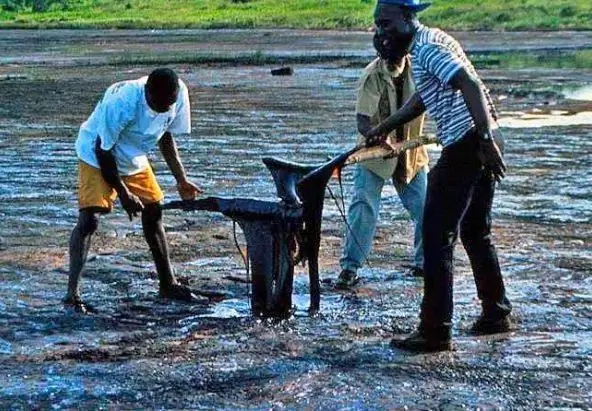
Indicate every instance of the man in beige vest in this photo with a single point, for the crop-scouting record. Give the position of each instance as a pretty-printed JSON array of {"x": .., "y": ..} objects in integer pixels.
[{"x": 384, "y": 87}]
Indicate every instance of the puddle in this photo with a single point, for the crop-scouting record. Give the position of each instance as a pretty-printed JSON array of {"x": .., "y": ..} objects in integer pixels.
[
  {"x": 231, "y": 308},
  {"x": 553, "y": 119},
  {"x": 580, "y": 93}
]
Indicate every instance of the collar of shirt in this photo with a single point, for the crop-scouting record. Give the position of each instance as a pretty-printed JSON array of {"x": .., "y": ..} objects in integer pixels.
[
  {"x": 391, "y": 75},
  {"x": 419, "y": 28},
  {"x": 149, "y": 109}
]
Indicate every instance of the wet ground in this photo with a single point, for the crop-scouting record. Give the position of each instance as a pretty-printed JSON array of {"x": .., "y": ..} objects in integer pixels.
[{"x": 143, "y": 352}]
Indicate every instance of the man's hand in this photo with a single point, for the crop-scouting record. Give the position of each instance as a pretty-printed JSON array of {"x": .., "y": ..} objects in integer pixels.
[
  {"x": 188, "y": 190},
  {"x": 131, "y": 204},
  {"x": 395, "y": 147},
  {"x": 491, "y": 157}
]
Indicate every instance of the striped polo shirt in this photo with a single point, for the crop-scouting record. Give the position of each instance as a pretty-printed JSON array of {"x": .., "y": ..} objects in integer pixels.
[{"x": 435, "y": 59}]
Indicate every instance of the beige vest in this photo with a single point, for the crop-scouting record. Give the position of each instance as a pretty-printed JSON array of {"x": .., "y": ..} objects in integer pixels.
[{"x": 376, "y": 85}]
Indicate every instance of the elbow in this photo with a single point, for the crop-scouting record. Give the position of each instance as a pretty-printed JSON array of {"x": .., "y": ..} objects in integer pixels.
[
  {"x": 362, "y": 129},
  {"x": 364, "y": 124}
]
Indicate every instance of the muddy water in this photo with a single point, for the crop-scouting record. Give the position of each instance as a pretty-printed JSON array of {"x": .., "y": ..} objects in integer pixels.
[{"x": 140, "y": 351}]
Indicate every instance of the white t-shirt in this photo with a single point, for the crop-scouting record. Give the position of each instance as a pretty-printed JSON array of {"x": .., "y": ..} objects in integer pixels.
[{"x": 125, "y": 123}]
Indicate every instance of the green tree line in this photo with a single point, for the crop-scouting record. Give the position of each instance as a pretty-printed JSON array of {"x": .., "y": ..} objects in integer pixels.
[{"x": 36, "y": 6}]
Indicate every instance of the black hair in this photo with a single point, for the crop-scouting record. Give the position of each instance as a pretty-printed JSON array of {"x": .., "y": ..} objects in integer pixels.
[{"x": 163, "y": 81}]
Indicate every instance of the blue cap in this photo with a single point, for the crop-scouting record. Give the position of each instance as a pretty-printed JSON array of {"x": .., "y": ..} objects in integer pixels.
[{"x": 413, "y": 5}]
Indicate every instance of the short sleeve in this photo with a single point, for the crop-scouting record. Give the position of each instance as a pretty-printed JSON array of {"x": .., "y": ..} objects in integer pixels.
[
  {"x": 181, "y": 124},
  {"x": 440, "y": 61},
  {"x": 368, "y": 96},
  {"x": 117, "y": 110}
]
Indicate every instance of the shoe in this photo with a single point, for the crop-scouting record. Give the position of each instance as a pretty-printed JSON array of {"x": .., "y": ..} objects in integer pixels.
[
  {"x": 415, "y": 272},
  {"x": 487, "y": 325},
  {"x": 78, "y": 305},
  {"x": 180, "y": 293},
  {"x": 420, "y": 341},
  {"x": 347, "y": 279}
]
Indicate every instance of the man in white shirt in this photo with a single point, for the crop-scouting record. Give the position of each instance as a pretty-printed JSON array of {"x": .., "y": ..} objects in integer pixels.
[{"x": 130, "y": 120}]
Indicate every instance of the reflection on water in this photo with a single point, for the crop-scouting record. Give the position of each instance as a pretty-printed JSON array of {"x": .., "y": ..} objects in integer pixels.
[
  {"x": 579, "y": 93},
  {"x": 310, "y": 122},
  {"x": 552, "y": 119}
]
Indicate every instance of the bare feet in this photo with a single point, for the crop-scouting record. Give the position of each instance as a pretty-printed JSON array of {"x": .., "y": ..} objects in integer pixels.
[{"x": 78, "y": 305}]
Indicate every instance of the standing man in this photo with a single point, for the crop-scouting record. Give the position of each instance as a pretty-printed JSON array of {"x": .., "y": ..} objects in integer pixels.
[
  {"x": 131, "y": 118},
  {"x": 383, "y": 88},
  {"x": 461, "y": 185}
]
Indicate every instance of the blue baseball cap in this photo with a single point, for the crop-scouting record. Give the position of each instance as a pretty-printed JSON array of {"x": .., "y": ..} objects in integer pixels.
[{"x": 413, "y": 5}]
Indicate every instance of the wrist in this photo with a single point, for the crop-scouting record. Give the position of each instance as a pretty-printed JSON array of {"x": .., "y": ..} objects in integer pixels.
[
  {"x": 486, "y": 135},
  {"x": 181, "y": 179}
]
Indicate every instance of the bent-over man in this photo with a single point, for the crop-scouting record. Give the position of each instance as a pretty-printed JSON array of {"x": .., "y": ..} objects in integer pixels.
[{"x": 130, "y": 120}]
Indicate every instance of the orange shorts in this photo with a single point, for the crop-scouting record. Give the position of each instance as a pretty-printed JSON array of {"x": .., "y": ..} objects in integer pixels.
[{"x": 94, "y": 192}]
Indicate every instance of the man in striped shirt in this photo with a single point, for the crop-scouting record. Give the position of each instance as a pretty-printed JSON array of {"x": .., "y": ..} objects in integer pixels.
[{"x": 461, "y": 185}]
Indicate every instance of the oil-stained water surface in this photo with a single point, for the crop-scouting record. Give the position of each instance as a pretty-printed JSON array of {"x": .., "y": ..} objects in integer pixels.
[{"x": 143, "y": 352}]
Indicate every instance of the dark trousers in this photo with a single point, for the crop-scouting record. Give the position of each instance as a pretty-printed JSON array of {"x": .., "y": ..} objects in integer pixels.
[{"x": 459, "y": 197}]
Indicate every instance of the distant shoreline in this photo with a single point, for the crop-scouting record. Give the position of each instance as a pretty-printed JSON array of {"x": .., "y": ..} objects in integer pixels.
[
  {"x": 457, "y": 15},
  {"x": 263, "y": 47}
]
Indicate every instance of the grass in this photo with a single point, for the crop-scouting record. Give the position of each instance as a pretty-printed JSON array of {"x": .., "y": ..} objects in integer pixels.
[
  {"x": 256, "y": 58},
  {"x": 306, "y": 14},
  {"x": 561, "y": 59}
]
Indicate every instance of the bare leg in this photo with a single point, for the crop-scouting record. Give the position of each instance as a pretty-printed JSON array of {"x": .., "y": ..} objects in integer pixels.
[
  {"x": 156, "y": 238},
  {"x": 88, "y": 221}
]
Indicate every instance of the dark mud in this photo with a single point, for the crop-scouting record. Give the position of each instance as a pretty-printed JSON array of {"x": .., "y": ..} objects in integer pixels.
[{"x": 143, "y": 352}]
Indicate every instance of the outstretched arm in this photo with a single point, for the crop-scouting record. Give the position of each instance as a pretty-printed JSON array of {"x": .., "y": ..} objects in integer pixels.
[
  {"x": 168, "y": 148},
  {"x": 412, "y": 109}
]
